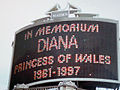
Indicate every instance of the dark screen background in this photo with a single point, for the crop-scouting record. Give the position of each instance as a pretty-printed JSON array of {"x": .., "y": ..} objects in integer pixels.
[{"x": 103, "y": 42}]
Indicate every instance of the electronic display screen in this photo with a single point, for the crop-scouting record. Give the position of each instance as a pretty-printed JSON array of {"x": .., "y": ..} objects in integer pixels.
[{"x": 66, "y": 49}]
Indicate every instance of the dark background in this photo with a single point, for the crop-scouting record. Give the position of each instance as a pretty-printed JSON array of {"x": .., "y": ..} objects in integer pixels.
[{"x": 103, "y": 42}]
